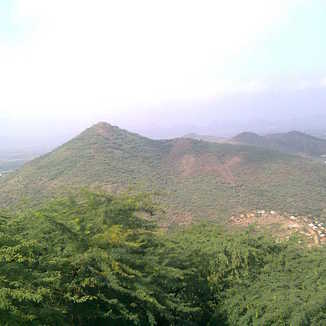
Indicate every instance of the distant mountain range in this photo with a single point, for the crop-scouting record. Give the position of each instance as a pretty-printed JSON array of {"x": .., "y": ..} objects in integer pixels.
[
  {"x": 13, "y": 159},
  {"x": 208, "y": 138},
  {"x": 293, "y": 142},
  {"x": 193, "y": 179}
]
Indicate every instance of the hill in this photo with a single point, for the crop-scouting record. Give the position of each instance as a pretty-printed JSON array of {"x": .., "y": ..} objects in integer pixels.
[
  {"x": 208, "y": 138},
  {"x": 194, "y": 179},
  {"x": 13, "y": 159},
  {"x": 293, "y": 142}
]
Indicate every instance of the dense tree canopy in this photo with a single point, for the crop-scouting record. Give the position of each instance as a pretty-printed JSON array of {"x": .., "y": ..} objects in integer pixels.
[
  {"x": 94, "y": 259},
  {"x": 85, "y": 261}
]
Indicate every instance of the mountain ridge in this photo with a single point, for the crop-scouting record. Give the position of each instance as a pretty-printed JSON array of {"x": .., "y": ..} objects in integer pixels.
[
  {"x": 293, "y": 142},
  {"x": 195, "y": 179}
]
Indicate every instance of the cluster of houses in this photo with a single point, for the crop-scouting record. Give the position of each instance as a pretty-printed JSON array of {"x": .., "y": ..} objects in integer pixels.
[
  {"x": 318, "y": 227},
  {"x": 263, "y": 212},
  {"x": 242, "y": 217},
  {"x": 2, "y": 173},
  {"x": 314, "y": 225},
  {"x": 323, "y": 157},
  {"x": 309, "y": 226}
]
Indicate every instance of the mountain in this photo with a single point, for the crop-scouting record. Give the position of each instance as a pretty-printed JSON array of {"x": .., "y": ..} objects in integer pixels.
[
  {"x": 13, "y": 159},
  {"x": 293, "y": 142},
  {"x": 208, "y": 138},
  {"x": 194, "y": 179},
  {"x": 251, "y": 138}
]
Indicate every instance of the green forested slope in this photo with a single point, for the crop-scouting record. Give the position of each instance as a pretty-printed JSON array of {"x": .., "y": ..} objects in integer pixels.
[
  {"x": 195, "y": 179},
  {"x": 92, "y": 260}
]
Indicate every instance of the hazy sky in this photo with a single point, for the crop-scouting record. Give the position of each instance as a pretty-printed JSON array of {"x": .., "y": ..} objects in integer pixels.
[{"x": 65, "y": 64}]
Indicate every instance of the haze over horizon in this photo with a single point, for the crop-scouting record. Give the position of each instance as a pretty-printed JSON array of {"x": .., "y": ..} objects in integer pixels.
[{"x": 146, "y": 66}]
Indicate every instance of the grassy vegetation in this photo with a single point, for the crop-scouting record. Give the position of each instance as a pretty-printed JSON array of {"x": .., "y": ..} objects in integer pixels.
[
  {"x": 201, "y": 179},
  {"x": 90, "y": 259}
]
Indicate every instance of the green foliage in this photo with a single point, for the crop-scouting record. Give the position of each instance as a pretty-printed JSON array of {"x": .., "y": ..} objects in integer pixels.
[
  {"x": 196, "y": 178},
  {"x": 248, "y": 279},
  {"x": 87, "y": 261},
  {"x": 289, "y": 290},
  {"x": 92, "y": 259}
]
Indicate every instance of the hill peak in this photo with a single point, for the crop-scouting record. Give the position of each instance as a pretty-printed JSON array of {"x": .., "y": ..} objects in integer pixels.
[
  {"x": 244, "y": 133},
  {"x": 112, "y": 136},
  {"x": 291, "y": 133},
  {"x": 297, "y": 133},
  {"x": 292, "y": 142},
  {"x": 246, "y": 136},
  {"x": 102, "y": 126},
  {"x": 103, "y": 129}
]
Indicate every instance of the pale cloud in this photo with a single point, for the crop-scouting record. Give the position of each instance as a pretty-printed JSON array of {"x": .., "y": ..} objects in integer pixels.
[
  {"x": 304, "y": 84},
  {"x": 323, "y": 82},
  {"x": 107, "y": 55}
]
